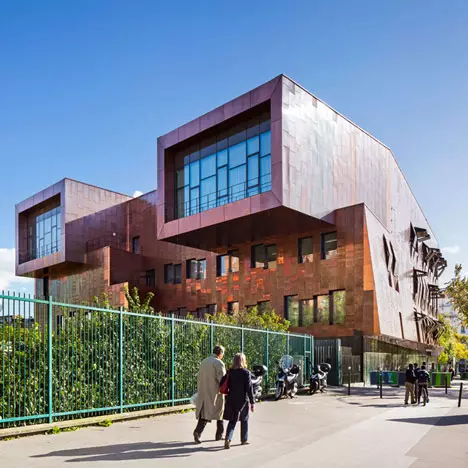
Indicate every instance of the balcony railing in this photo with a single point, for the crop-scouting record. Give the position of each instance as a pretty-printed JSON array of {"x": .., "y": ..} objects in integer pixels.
[
  {"x": 39, "y": 252},
  {"x": 223, "y": 197}
]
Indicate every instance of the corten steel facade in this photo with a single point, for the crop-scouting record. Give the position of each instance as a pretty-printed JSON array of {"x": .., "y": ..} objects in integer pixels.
[{"x": 272, "y": 167}]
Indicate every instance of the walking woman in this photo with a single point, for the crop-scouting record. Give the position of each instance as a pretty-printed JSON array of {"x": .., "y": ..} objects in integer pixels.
[{"x": 239, "y": 400}]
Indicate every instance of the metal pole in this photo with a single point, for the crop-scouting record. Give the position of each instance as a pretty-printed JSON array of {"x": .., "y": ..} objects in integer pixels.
[
  {"x": 172, "y": 360},
  {"x": 287, "y": 345},
  {"x": 349, "y": 380},
  {"x": 446, "y": 383},
  {"x": 381, "y": 383},
  {"x": 211, "y": 336},
  {"x": 267, "y": 359},
  {"x": 460, "y": 394},
  {"x": 242, "y": 338},
  {"x": 121, "y": 359},
  {"x": 49, "y": 342}
]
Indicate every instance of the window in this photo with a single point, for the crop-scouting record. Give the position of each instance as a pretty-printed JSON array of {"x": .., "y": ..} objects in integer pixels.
[
  {"x": 391, "y": 263},
  {"x": 263, "y": 256},
  {"x": 401, "y": 326},
  {"x": 169, "y": 273},
  {"x": 212, "y": 309},
  {"x": 201, "y": 312},
  {"x": 150, "y": 278},
  {"x": 225, "y": 169},
  {"x": 264, "y": 307},
  {"x": 178, "y": 273},
  {"x": 196, "y": 269},
  {"x": 306, "y": 308},
  {"x": 173, "y": 273},
  {"x": 60, "y": 323},
  {"x": 232, "y": 308},
  {"x": 291, "y": 308},
  {"x": 228, "y": 263},
  {"x": 339, "y": 307},
  {"x": 136, "y": 245},
  {"x": 44, "y": 234},
  {"x": 305, "y": 250},
  {"x": 45, "y": 286},
  {"x": 323, "y": 309},
  {"x": 329, "y": 245}
]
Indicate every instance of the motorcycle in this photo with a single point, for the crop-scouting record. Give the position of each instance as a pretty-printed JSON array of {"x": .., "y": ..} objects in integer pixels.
[
  {"x": 318, "y": 379},
  {"x": 286, "y": 379},
  {"x": 257, "y": 375}
]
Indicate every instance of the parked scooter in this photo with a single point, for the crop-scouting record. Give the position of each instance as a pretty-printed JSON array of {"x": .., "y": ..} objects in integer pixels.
[
  {"x": 318, "y": 379},
  {"x": 286, "y": 379},
  {"x": 257, "y": 375}
]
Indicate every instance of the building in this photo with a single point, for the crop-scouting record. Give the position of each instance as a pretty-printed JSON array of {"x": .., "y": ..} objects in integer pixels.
[{"x": 273, "y": 199}]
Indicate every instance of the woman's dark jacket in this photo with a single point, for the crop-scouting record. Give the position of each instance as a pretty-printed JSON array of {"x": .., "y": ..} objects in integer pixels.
[{"x": 240, "y": 395}]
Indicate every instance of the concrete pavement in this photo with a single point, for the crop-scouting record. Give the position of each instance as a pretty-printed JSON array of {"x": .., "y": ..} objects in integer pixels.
[{"x": 330, "y": 430}]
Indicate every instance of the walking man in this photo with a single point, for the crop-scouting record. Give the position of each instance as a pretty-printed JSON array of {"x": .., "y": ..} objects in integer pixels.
[
  {"x": 209, "y": 402},
  {"x": 409, "y": 384}
]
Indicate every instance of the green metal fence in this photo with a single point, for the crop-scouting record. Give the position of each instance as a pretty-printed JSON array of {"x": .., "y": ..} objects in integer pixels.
[{"x": 63, "y": 361}]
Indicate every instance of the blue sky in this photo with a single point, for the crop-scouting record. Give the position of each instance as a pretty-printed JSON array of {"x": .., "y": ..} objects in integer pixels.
[{"x": 86, "y": 88}]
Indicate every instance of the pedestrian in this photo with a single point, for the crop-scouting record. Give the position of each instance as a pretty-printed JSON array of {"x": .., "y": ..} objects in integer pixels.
[
  {"x": 410, "y": 379},
  {"x": 208, "y": 401},
  {"x": 423, "y": 380},
  {"x": 239, "y": 399},
  {"x": 452, "y": 372},
  {"x": 416, "y": 386}
]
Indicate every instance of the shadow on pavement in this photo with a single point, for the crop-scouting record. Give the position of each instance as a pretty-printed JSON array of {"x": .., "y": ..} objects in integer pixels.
[
  {"x": 453, "y": 420},
  {"x": 137, "y": 451}
]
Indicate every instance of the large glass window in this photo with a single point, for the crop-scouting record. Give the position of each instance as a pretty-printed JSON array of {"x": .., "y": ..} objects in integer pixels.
[
  {"x": 329, "y": 245},
  {"x": 263, "y": 256},
  {"x": 46, "y": 238},
  {"x": 307, "y": 312},
  {"x": 291, "y": 307},
  {"x": 323, "y": 309},
  {"x": 305, "y": 250},
  {"x": 234, "y": 168},
  {"x": 196, "y": 269},
  {"x": 228, "y": 263},
  {"x": 339, "y": 307}
]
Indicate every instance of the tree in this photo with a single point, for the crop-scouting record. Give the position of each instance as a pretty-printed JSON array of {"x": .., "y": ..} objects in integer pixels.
[
  {"x": 457, "y": 292},
  {"x": 135, "y": 304},
  {"x": 266, "y": 319},
  {"x": 454, "y": 346}
]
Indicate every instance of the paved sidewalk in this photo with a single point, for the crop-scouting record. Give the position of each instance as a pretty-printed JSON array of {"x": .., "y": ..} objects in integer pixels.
[{"x": 331, "y": 430}]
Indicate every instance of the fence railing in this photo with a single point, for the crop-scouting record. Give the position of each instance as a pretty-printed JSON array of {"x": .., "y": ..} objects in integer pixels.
[{"x": 81, "y": 361}]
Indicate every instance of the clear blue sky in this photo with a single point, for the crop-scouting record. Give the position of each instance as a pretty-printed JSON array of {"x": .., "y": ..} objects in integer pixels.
[{"x": 86, "y": 87}]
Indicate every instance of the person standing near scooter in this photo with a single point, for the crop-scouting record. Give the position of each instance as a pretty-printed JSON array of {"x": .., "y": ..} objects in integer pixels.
[{"x": 423, "y": 382}]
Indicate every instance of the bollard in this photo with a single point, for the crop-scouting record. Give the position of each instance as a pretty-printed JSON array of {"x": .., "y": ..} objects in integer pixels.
[
  {"x": 349, "y": 383},
  {"x": 446, "y": 380},
  {"x": 460, "y": 394},
  {"x": 381, "y": 384}
]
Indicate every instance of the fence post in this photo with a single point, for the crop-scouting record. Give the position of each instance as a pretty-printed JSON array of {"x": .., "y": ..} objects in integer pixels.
[
  {"x": 172, "y": 360},
  {"x": 304, "y": 370},
  {"x": 242, "y": 338},
  {"x": 267, "y": 359},
  {"x": 381, "y": 383},
  {"x": 49, "y": 342},
  {"x": 460, "y": 394},
  {"x": 211, "y": 336},
  {"x": 121, "y": 363}
]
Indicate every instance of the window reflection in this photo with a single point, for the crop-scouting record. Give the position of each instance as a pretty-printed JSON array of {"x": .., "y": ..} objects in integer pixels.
[
  {"x": 44, "y": 236},
  {"x": 231, "y": 169}
]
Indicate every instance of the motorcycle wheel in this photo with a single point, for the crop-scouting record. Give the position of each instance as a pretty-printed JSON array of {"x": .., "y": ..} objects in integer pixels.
[{"x": 279, "y": 391}]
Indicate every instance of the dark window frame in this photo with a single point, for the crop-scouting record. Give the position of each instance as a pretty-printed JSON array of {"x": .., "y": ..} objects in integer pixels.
[
  {"x": 231, "y": 307},
  {"x": 266, "y": 261},
  {"x": 325, "y": 254},
  {"x": 300, "y": 250},
  {"x": 231, "y": 254},
  {"x": 150, "y": 278},
  {"x": 199, "y": 272}
]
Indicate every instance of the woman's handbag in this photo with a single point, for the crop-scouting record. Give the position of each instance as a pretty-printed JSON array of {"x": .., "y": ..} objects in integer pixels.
[{"x": 224, "y": 387}]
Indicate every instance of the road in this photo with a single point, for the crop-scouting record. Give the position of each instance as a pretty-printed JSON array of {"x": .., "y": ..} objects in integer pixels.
[{"x": 331, "y": 430}]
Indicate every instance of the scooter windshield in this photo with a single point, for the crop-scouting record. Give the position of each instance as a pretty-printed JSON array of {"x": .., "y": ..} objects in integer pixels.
[{"x": 286, "y": 363}]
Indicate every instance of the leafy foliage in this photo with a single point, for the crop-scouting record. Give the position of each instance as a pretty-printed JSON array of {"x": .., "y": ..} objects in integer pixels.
[
  {"x": 457, "y": 292},
  {"x": 86, "y": 364},
  {"x": 454, "y": 346}
]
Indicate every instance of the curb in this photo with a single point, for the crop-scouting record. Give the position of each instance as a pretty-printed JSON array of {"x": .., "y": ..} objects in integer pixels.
[{"x": 93, "y": 421}]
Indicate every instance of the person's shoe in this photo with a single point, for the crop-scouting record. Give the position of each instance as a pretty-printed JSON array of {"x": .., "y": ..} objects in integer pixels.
[
  {"x": 245, "y": 442},
  {"x": 227, "y": 444},
  {"x": 196, "y": 437},
  {"x": 406, "y": 402},
  {"x": 219, "y": 436}
]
